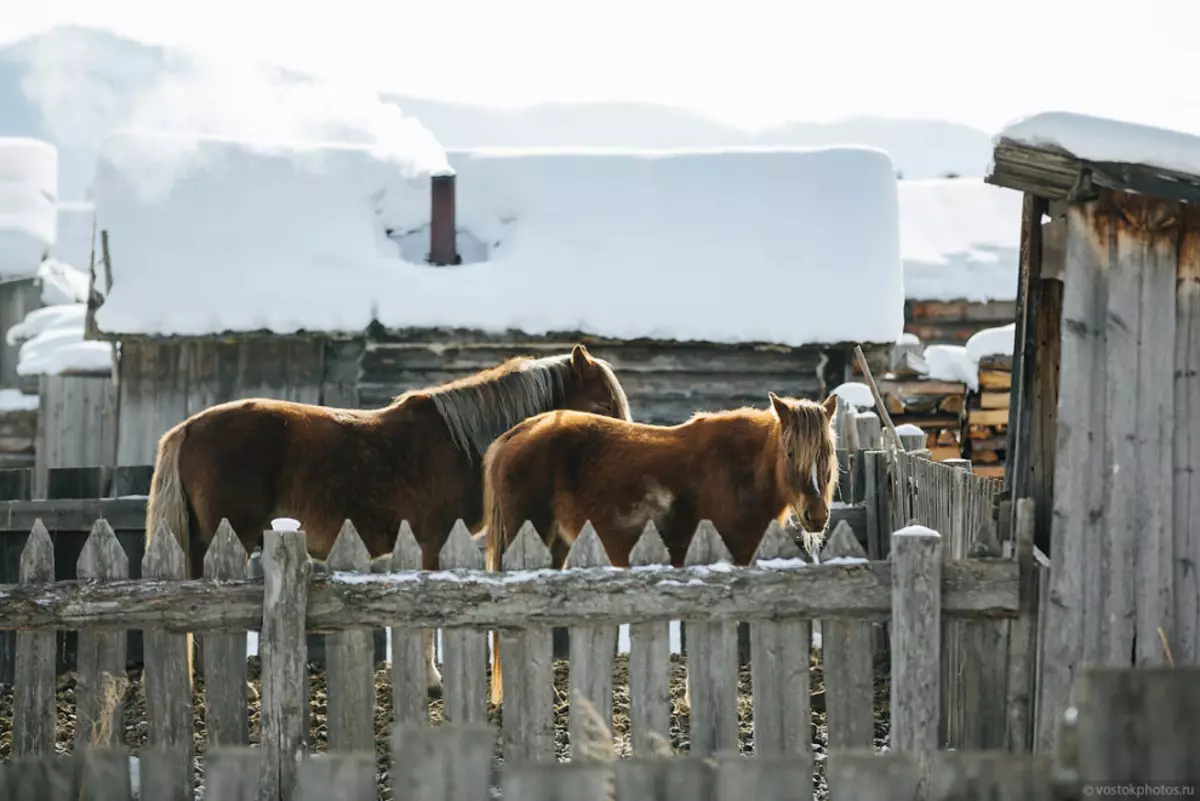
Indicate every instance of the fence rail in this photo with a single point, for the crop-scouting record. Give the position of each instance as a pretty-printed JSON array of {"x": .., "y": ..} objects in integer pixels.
[{"x": 1156, "y": 712}]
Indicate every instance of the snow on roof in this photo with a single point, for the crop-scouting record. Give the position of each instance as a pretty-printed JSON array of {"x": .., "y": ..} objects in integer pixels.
[
  {"x": 856, "y": 394},
  {"x": 53, "y": 343},
  {"x": 991, "y": 342},
  {"x": 73, "y": 242},
  {"x": 13, "y": 400},
  {"x": 1099, "y": 139},
  {"x": 959, "y": 239},
  {"x": 725, "y": 246},
  {"x": 62, "y": 283},
  {"x": 28, "y": 197}
]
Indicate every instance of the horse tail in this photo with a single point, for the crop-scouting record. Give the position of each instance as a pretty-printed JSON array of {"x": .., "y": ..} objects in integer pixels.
[
  {"x": 495, "y": 536},
  {"x": 168, "y": 504}
]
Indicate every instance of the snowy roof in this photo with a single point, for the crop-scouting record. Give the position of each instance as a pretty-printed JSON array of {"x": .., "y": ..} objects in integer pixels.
[
  {"x": 28, "y": 198},
  {"x": 52, "y": 343},
  {"x": 959, "y": 239},
  {"x": 1105, "y": 140},
  {"x": 723, "y": 246},
  {"x": 73, "y": 242}
]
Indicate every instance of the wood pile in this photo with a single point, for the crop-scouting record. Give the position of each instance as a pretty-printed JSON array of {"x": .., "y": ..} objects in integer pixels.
[
  {"x": 932, "y": 405},
  {"x": 984, "y": 422}
]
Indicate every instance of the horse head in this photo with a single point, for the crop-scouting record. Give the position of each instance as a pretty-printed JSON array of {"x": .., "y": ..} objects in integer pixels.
[
  {"x": 807, "y": 468},
  {"x": 592, "y": 386}
]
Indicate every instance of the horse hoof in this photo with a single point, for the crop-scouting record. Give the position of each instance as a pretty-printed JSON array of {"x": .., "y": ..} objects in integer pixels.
[{"x": 434, "y": 691}]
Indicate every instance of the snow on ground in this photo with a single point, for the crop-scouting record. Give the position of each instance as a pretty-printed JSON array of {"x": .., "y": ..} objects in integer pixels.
[
  {"x": 1102, "y": 139},
  {"x": 710, "y": 245},
  {"x": 28, "y": 203},
  {"x": 53, "y": 343},
  {"x": 959, "y": 239},
  {"x": 73, "y": 243},
  {"x": 857, "y": 394},
  {"x": 991, "y": 342}
]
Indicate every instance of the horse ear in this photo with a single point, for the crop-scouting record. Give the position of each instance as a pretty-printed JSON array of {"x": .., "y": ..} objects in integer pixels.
[
  {"x": 829, "y": 406},
  {"x": 580, "y": 358},
  {"x": 782, "y": 410}
]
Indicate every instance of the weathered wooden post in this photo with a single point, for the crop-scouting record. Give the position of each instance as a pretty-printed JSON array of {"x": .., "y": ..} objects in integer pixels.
[
  {"x": 283, "y": 650},
  {"x": 916, "y": 633}
]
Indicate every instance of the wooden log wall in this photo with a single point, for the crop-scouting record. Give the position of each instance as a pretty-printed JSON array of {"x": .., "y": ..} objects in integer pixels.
[{"x": 954, "y": 322}]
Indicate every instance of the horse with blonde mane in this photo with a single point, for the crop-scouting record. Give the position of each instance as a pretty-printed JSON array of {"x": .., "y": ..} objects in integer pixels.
[
  {"x": 740, "y": 469},
  {"x": 418, "y": 459}
]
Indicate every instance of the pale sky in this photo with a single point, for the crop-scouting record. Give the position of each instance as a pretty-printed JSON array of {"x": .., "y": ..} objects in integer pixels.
[{"x": 751, "y": 63}]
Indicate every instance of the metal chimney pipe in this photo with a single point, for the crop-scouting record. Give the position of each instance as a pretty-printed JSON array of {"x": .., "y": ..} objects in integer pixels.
[{"x": 443, "y": 249}]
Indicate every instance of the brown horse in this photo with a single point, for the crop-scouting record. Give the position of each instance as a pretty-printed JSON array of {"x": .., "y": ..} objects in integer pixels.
[
  {"x": 740, "y": 469},
  {"x": 418, "y": 459}
]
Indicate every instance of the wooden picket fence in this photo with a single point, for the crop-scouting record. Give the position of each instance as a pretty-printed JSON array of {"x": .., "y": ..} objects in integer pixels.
[
  {"x": 1131, "y": 732},
  {"x": 779, "y": 596}
]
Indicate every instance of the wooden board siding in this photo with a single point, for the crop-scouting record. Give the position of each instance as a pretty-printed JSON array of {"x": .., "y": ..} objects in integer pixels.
[
  {"x": 162, "y": 383},
  {"x": 953, "y": 322},
  {"x": 77, "y": 418},
  {"x": 18, "y": 297},
  {"x": 666, "y": 383}
]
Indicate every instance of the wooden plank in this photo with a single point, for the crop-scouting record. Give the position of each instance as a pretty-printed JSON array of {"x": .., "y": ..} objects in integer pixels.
[
  {"x": 283, "y": 653},
  {"x": 592, "y": 650},
  {"x": 990, "y": 776},
  {"x": 916, "y": 622},
  {"x": 233, "y": 774},
  {"x": 33, "y": 694},
  {"x": 987, "y": 417},
  {"x": 100, "y": 681},
  {"x": 72, "y": 515},
  {"x": 528, "y": 722},
  {"x": 994, "y": 400},
  {"x": 673, "y": 779},
  {"x": 780, "y": 654},
  {"x": 162, "y": 774},
  {"x": 569, "y": 782},
  {"x": 451, "y": 762},
  {"x": 971, "y": 588},
  {"x": 711, "y": 659},
  {"x": 1079, "y": 477},
  {"x": 410, "y": 702},
  {"x": 1151, "y": 247},
  {"x": 350, "y": 715},
  {"x": 339, "y": 384},
  {"x": 854, "y": 774},
  {"x": 650, "y": 661},
  {"x": 224, "y": 655},
  {"x": 1135, "y": 725},
  {"x": 465, "y": 661},
  {"x": 1186, "y": 502},
  {"x": 775, "y": 778},
  {"x": 341, "y": 777},
  {"x": 848, "y": 666},
  {"x": 167, "y": 678},
  {"x": 1022, "y": 639}
]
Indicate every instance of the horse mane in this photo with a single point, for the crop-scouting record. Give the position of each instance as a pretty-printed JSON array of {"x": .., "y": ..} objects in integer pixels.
[{"x": 479, "y": 408}]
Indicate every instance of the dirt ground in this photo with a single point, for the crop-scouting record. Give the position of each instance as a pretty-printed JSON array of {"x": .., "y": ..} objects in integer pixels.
[{"x": 135, "y": 718}]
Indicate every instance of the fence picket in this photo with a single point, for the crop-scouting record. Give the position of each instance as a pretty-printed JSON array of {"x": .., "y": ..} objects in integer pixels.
[
  {"x": 592, "y": 650},
  {"x": 995, "y": 776},
  {"x": 283, "y": 650},
  {"x": 650, "y": 660},
  {"x": 780, "y": 652},
  {"x": 160, "y": 774},
  {"x": 33, "y": 694},
  {"x": 711, "y": 659},
  {"x": 100, "y": 674},
  {"x": 167, "y": 679},
  {"x": 856, "y": 774},
  {"x": 341, "y": 777},
  {"x": 410, "y": 694},
  {"x": 350, "y": 656},
  {"x": 224, "y": 655},
  {"x": 570, "y": 782},
  {"x": 916, "y": 623},
  {"x": 528, "y": 723},
  {"x": 452, "y": 762},
  {"x": 465, "y": 661},
  {"x": 847, "y": 663}
]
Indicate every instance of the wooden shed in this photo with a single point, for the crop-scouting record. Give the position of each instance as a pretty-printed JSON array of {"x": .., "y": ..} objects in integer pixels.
[
  {"x": 1105, "y": 435},
  {"x": 683, "y": 329}
]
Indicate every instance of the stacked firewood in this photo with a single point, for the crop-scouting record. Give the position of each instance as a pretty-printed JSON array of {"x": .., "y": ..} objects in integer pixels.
[
  {"x": 984, "y": 419},
  {"x": 934, "y": 406}
]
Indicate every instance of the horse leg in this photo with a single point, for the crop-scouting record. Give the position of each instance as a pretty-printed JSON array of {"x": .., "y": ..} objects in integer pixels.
[{"x": 433, "y": 677}]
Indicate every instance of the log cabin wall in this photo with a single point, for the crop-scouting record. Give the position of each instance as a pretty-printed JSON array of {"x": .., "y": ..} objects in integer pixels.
[{"x": 937, "y": 322}]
